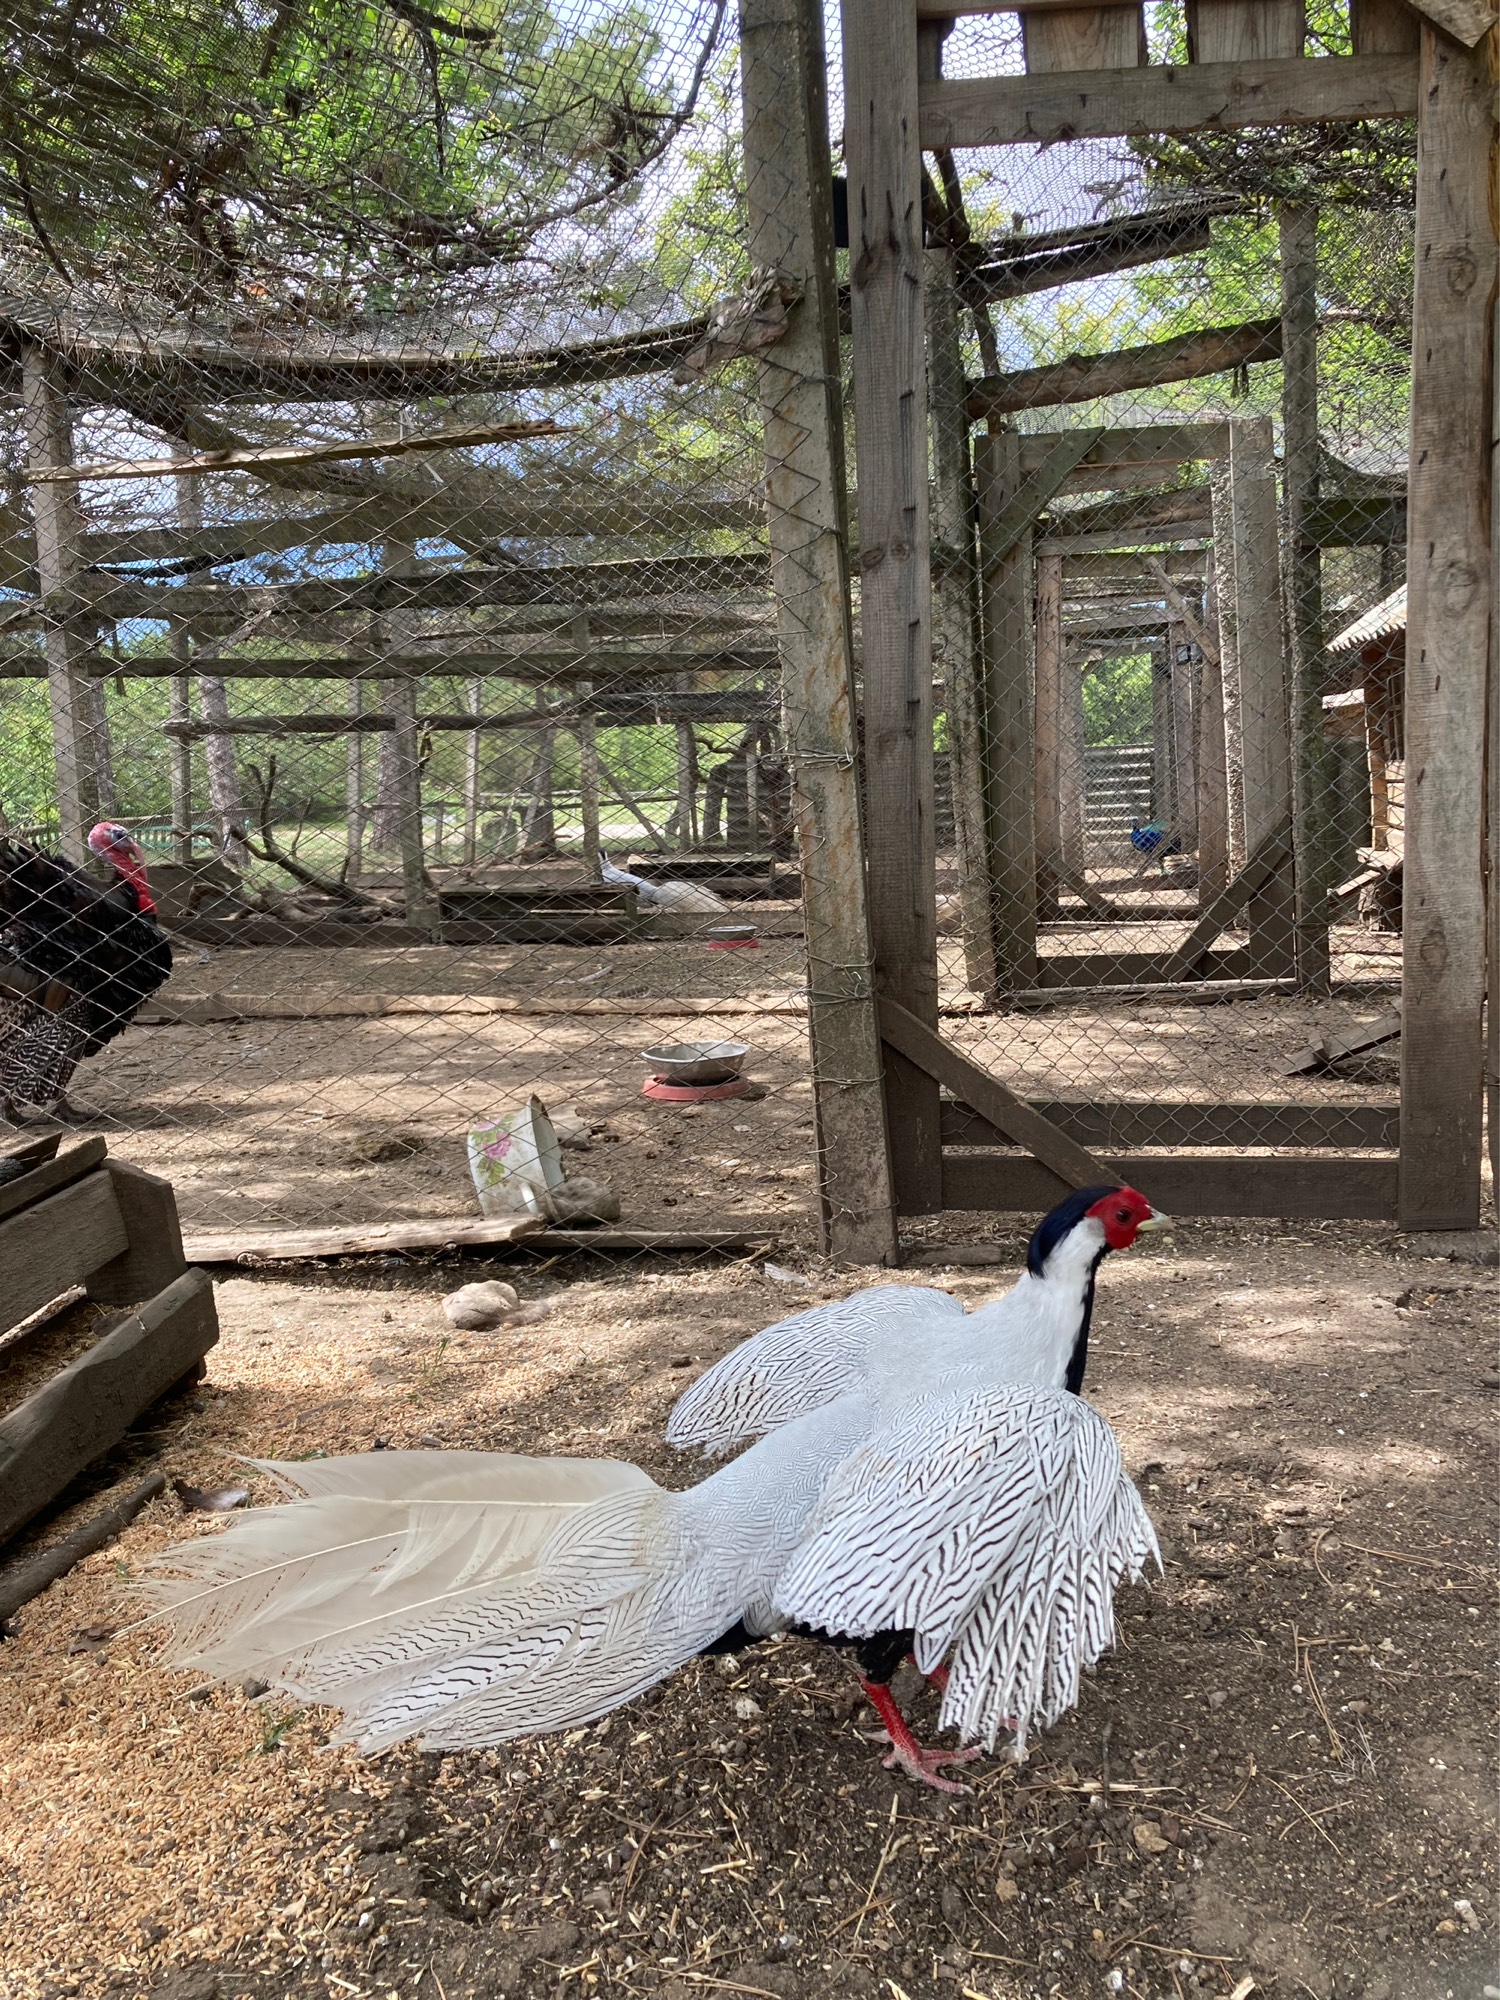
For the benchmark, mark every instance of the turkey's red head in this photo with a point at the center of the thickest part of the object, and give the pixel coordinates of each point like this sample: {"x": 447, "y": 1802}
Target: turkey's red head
{"x": 122, "y": 853}
{"x": 1123, "y": 1214}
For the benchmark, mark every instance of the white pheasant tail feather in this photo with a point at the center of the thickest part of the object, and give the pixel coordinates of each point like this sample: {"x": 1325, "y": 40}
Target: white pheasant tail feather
{"x": 465, "y": 1598}
{"x": 994, "y": 1526}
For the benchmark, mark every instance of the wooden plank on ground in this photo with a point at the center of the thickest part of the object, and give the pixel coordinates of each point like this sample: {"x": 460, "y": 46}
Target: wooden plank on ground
{"x": 59, "y": 1241}
{"x": 28, "y": 1579}
{"x": 1143, "y": 1126}
{"x": 887, "y": 285}
{"x": 88, "y": 1406}
{"x": 49, "y": 1175}
{"x": 1121, "y": 970}
{"x": 1329, "y": 1049}
{"x": 1448, "y": 613}
{"x": 615, "y": 1241}
{"x": 960, "y": 1074}
{"x": 234, "y": 1246}
{"x": 1134, "y": 103}
{"x": 790, "y": 221}
{"x": 1080, "y": 378}
{"x": 1351, "y": 1188}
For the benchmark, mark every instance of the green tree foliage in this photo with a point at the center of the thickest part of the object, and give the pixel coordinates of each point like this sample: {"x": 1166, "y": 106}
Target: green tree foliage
{"x": 326, "y": 154}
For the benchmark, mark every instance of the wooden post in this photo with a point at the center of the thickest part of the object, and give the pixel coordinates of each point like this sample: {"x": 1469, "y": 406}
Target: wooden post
{"x": 1448, "y": 583}
{"x": 788, "y": 180}
{"x": 1226, "y": 605}
{"x": 588, "y": 758}
{"x": 1163, "y": 764}
{"x": 1302, "y": 585}
{"x": 1051, "y": 666}
{"x": 687, "y": 774}
{"x": 1213, "y": 783}
{"x": 1006, "y": 601}
{"x": 190, "y": 520}
{"x": 472, "y": 774}
{"x": 1265, "y": 746}
{"x": 954, "y": 625}
{"x": 1182, "y": 668}
{"x": 354, "y": 788}
{"x": 400, "y": 695}
{"x": 886, "y": 274}
{"x": 49, "y": 438}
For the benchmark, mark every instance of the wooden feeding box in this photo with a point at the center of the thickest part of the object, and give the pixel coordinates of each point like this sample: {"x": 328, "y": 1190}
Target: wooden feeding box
{"x": 582, "y": 915}
{"x": 83, "y": 1220}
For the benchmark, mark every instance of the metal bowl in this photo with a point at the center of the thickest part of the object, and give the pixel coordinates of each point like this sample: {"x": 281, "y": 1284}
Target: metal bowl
{"x": 730, "y": 933}
{"x": 697, "y": 1062}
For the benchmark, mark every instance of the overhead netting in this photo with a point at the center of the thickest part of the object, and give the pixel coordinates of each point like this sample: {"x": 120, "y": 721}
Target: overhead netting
{"x": 392, "y": 718}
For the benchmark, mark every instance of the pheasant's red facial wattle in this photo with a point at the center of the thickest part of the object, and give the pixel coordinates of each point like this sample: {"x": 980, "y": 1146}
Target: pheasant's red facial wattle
{"x": 1124, "y": 1213}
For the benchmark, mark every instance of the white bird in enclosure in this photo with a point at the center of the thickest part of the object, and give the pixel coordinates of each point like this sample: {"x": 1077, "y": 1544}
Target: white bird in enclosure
{"x": 912, "y": 1492}
{"x": 691, "y": 897}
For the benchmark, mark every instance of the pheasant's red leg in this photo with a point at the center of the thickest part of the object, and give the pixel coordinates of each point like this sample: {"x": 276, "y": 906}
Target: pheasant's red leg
{"x": 907, "y": 1753}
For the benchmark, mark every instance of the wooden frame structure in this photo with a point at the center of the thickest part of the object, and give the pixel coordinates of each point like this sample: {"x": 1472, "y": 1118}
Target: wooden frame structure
{"x": 1086, "y": 77}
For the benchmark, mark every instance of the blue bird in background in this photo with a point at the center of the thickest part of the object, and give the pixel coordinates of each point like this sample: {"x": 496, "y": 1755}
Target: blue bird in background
{"x": 1156, "y": 840}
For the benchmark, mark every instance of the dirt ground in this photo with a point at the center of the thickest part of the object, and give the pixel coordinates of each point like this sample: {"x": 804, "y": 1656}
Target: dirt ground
{"x": 266, "y": 1123}
{"x": 1279, "y": 1783}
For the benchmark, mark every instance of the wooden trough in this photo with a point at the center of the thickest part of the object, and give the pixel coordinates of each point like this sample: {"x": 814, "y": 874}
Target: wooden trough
{"x": 81, "y": 1220}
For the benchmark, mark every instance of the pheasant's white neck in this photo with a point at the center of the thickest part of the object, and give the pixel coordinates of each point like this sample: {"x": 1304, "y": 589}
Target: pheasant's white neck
{"x": 1044, "y": 1319}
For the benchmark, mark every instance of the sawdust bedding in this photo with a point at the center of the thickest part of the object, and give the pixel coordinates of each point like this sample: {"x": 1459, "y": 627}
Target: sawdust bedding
{"x": 1292, "y": 1733}
{"x": 32, "y": 1353}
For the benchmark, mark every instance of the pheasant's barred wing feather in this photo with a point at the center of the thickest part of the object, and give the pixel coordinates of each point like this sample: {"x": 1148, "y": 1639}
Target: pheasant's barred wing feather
{"x": 995, "y": 1525}
{"x": 801, "y": 1363}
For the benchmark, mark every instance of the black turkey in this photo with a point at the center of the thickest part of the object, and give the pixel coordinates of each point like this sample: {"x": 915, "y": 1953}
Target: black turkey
{"x": 78, "y": 960}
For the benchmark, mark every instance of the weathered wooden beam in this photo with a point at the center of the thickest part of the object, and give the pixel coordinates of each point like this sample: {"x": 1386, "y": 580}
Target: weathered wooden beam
{"x": 1234, "y": 31}
{"x": 616, "y": 711}
{"x": 616, "y": 671}
{"x": 1130, "y": 103}
{"x": 887, "y": 277}
{"x": 1124, "y": 448}
{"x": 788, "y": 188}
{"x": 88, "y": 1407}
{"x": 25, "y": 1580}
{"x": 1449, "y": 561}
{"x": 1095, "y": 253}
{"x": 1355, "y": 1187}
{"x": 49, "y": 436}
{"x": 993, "y": 1100}
{"x": 1080, "y": 378}
{"x": 1006, "y": 600}
{"x": 1264, "y": 731}
{"x": 1302, "y": 591}
{"x": 260, "y": 457}
{"x": 1146, "y": 1124}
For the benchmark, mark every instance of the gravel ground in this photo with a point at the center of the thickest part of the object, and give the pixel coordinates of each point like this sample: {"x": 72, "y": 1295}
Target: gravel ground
{"x": 1280, "y": 1777}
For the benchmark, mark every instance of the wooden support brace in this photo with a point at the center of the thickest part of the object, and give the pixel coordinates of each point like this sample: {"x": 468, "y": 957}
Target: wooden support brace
{"x": 987, "y": 1095}
{"x": 1261, "y": 868}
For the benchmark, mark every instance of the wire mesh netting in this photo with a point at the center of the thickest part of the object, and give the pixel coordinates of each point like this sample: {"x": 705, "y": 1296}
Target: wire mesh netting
{"x": 408, "y": 597}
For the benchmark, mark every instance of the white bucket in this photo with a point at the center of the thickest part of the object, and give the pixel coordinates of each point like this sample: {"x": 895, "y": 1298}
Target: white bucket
{"x": 515, "y": 1162}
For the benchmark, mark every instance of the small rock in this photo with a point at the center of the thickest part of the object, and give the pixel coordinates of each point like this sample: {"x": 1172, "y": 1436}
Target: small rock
{"x": 1356, "y": 1708}
{"x": 583, "y": 1199}
{"x": 1467, "y": 1913}
{"x": 747, "y": 1708}
{"x": 1005, "y": 1889}
{"x": 952, "y": 1903}
{"x": 1218, "y": 1698}
{"x": 375, "y": 1148}
{"x": 480, "y": 1308}
{"x": 1148, "y": 1838}
{"x": 252, "y": 1689}
{"x": 598, "y": 1898}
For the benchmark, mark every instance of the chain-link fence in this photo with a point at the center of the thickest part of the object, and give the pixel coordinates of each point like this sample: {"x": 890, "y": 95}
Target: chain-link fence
{"x": 396, "y": 396}
{"x": 1171, "y": 652}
